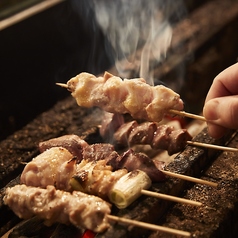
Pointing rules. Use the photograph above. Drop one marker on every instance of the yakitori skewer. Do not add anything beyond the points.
(132, 96)
(149, 226)
(81, 210)
(129, 187)
(173, 111)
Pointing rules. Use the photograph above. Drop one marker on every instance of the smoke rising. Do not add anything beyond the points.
(139, 32)
(130, 25)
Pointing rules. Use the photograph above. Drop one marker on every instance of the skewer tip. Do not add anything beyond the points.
(63, 85)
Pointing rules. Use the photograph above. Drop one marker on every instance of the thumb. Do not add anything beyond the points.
(222, 111)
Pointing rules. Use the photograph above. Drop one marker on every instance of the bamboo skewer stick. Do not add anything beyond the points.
(148, 226)
(35, 9)
(216, 147)
(170, 198)
(186, 114)
(134, 223)
(189, 178)
(63, 85)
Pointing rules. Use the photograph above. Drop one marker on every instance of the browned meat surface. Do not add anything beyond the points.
(54, 166)
(133, 96)
(131, 161)
(100, 168)
(122, 134)
(54, 205)
(128, 160)
(98, 151)
(142, 134)
(163, 137)
(73, 143)
(178, 140)
(97, 178)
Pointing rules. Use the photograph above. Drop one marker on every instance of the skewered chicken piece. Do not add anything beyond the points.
(79, 209)
(120, 187)
(73, 143)
(133, 96)
(95, 177)
(54, 166)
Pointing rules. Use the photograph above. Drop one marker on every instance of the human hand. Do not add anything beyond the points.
(221, 104)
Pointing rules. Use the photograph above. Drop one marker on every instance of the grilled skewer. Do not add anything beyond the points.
(133, 96)
(95, 177)
(81, 210)
(129, 159)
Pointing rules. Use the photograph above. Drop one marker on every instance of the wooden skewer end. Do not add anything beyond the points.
(170, 198)
(189, 178)
(148, 226)
(63, 85)
(186, 114)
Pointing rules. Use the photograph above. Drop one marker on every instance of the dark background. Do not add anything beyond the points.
(50, 47)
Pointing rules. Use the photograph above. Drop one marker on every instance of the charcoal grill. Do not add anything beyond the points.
(217, 217)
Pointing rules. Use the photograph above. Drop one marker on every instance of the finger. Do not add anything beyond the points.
(225, 84)
(216, 131)
(222, 111)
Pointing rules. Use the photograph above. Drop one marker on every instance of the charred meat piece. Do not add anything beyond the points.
(54, 166)
(163, 137)
(53, 205)
(73, 143)
(131, 161)
(133, 96)
(178, 141)
(128, 160)
(96, 177)
(98, 151)
(122, 134)
(142, 134)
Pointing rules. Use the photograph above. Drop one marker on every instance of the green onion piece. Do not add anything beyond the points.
(128, 188)
(74, 183)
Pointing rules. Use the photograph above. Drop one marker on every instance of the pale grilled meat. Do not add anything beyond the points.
(73, 143)
(54, 166)
(77, 208)
(133, 96)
